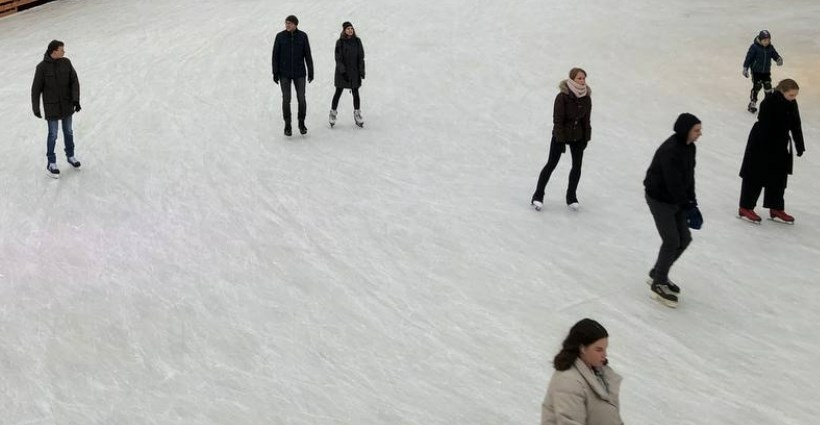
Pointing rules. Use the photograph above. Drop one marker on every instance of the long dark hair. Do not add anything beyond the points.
(585, 332)
(343, 36)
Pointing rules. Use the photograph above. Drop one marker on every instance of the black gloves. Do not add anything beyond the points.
(276, 78)
(77, 107)
(800, 153)
(310, 78)
(37, 113)
(361, 76)
(694, 219)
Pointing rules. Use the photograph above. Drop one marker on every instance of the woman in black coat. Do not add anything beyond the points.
(349, 71)
(768, 158)
(570, 119)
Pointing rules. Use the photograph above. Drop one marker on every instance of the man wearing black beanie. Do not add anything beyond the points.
(670, 194)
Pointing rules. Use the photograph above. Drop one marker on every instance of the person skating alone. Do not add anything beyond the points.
(670, 194)
(349, 74)
(55, 80)
(571, 128)
(759, 60)
(291, 52)
(768, 160)
(584, 389)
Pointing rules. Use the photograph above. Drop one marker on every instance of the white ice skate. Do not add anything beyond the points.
(332, 118)
(538, 205)
(357, 116)
(575, 206)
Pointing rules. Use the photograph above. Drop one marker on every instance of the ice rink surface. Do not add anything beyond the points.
(201, 268)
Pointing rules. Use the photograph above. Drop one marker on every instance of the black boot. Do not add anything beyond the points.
(288, 131)
(302, 128)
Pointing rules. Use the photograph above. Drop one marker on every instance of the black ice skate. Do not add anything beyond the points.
(664, 295)
(53, 171)
(288, 131)
(357, 116)
(752, 106)
(302, 128)
(74, 162)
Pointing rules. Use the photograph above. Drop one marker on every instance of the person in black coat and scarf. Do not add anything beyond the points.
(349, 71)
(291, 52)
(670, 194)
(570, 118)
(768, 159)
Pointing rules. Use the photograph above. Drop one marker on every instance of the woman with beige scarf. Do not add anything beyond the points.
(571, 127)
(583, 390)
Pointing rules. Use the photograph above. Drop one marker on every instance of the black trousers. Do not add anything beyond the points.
(299, 83)
(773, 197)
(356, 102)
(760, 79)
(556, 150)
(670, 220)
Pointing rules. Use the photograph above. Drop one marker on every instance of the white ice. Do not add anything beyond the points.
(201, 268)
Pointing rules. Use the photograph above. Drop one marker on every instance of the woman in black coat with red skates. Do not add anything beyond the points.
(768, 159)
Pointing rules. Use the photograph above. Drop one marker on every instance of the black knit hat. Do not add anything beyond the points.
(684, 124)
(346, 24)
(764, 35)
(293, 20)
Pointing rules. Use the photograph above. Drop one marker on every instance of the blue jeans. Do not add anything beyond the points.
(68, 136)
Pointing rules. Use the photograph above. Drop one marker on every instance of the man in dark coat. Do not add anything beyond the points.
(56, 81)
(291, 52)
(768, 161)
(670, 194)
(759, 60)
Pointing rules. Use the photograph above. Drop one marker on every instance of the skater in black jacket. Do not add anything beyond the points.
(768, 160)
(670, 194)
(56, 81)
(759, 60)
(291, 52)
(570, 128)
(349, 74)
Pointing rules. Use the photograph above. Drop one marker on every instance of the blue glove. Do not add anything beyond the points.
(694, 218)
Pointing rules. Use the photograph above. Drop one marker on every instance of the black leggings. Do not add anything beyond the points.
(338, 94)
(576, 149)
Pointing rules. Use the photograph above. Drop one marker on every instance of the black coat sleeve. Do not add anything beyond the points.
(275, 56)
(37, 87)
(558, 113)
(673, 176)
(797, 131)
(361, 59)
(308, 58)
(75, 84)
(340, 61)
(587, 124)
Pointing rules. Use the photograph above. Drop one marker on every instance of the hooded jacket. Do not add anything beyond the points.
(349, 55)
(671, 175)
(759, 57)
(56, 81)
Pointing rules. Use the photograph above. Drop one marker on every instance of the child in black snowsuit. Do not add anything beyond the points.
(759, 60)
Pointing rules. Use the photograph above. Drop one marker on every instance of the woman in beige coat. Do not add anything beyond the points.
(583, 390)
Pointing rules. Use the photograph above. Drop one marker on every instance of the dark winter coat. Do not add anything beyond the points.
(349, 63)
(570, 116)
(671, 175)
(57, 82)
(291, 51)
(759, 57)
(768, 151)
